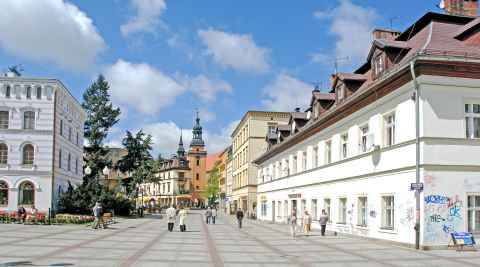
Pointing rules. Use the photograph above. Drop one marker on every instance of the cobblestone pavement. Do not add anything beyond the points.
(145, 242)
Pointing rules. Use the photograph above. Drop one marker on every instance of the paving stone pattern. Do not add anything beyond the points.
(146, 242)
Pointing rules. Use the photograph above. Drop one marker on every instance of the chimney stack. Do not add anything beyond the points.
(460, 7)
(386, 34)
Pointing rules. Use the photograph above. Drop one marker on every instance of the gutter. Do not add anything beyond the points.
(416, 93)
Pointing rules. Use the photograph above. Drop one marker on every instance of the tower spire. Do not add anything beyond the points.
(197, 139)
(181, 149)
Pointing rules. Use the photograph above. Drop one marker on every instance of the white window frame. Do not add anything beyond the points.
(389, 129)
(342, 210)
(327, 206)
(314, 209)
(328, 151)
(315, 157)
(362, 218)
(304, 161)
(470, 117)
(363, 142)
(388, 208)
(344, 146)
(474, 209)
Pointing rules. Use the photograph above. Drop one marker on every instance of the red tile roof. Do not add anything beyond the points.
(210, 161)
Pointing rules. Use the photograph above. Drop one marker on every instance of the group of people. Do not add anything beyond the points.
(211, 215)
(172, 214)
(23, 216)
(306, 222)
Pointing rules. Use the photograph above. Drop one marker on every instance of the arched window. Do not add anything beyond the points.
(28, 120)
(39, 92)
(29, 92)
(28, 154)
(27, 194)
(3, 154)
(3, 193)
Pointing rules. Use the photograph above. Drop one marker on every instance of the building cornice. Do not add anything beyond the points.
(251, 113)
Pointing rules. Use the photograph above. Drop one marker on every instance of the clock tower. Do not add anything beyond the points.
(197, 159)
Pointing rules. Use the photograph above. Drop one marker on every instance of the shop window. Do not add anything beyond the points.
(342, 210)
(3, 193)
(327, 208)
(314, 210)
(362, 211)
(264, 208)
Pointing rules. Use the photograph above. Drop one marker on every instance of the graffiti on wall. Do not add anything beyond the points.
(443, 215)
(407, 213)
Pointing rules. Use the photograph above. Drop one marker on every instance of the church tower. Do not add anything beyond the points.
(197, 159)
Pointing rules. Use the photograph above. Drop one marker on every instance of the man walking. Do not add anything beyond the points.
(171, 214)
(182, 218)
(214, 214)
(239, 217)
(208, 215)
(98, 213)
(323, 222)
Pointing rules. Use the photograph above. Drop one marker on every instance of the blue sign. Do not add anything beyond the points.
(463, 238)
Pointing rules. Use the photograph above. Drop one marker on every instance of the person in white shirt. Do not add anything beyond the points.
(214, 214)
(171, 214)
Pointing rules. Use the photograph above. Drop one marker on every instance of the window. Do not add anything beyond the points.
(389, 121)
(344, 145)
(326, 207)
(198, 161)
(342, 210)
(472, 121)
(294, 170)
(474, 214)
(69, 160)
(364, 138)
(304, 161)
(61, 127)
(286, 168)
(388, 213)
(4, 119)
(8, 91)
(197, 176)
(28, 154)
(77, 139)
(362, 211)
(181, 175)
(315, 157)
(28, 120)
(70, 133)
(341, 92)
(328, 152)
(3, 154)
(378, 65)
(303, 207)
(168, 187)
(198, 187)
(39, 92)
(272, 128)
(264, 208)
(60, 159)
(314, 209)
(27, 194)
(3, 193)
(29, 92)
(76, 166)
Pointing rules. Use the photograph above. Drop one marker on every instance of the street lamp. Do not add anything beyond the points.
(88, 171)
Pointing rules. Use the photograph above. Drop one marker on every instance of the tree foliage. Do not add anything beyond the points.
(213, 187)
(101, 116)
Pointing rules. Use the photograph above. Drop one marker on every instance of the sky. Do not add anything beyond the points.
(166, 58)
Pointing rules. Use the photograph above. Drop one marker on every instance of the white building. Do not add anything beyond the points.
(41, 142)
(355, 156)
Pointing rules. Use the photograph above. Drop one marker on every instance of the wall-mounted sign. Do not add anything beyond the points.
(298, 195)
(416, 186)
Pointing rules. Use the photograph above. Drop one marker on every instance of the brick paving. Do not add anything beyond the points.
(146, 242)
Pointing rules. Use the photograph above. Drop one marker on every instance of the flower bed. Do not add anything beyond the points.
(73, 219)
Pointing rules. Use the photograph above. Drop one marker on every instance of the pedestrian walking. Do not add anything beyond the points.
(239, 217)
(208, 215)
(171, 214)
(214, 214)
(22, 214)
(323, 222)
(98, 214)
(182, 214)
(293, 223)
(307, 223)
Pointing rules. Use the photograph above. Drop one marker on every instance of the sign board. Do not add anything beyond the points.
(461, 239)
(298, 195)
(416, 186)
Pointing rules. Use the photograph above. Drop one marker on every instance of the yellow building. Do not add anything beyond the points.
(197, 158)
(248, 143)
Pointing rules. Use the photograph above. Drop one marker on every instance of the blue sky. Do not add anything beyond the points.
(165, 58)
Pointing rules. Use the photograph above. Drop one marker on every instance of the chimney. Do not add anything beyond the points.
(460, 7)
(385, 34)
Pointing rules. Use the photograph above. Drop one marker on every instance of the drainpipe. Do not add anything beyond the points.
(417, 151)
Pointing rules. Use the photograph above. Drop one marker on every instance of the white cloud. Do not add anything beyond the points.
(322, 58)
(141, 86)
(236, 51)
(203, 87)
(54, 31)
(166, 136)
(286, 93)
(352, 25)
(147, 16)
(206, 115)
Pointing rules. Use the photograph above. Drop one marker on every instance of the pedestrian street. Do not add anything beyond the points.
(146, 242)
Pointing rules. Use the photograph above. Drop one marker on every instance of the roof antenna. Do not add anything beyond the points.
(391, 20)
(339, 59)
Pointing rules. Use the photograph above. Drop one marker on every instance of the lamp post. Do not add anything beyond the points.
(87, 170)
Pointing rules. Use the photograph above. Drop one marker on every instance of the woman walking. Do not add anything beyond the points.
(182, 217)
(307, 223)
(293, 223)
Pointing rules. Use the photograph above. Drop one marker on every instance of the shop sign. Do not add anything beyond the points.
(298, 195)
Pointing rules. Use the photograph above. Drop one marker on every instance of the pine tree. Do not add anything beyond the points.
(101, 116)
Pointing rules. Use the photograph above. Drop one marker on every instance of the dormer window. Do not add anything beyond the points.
(378, 65)
(341, 93)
